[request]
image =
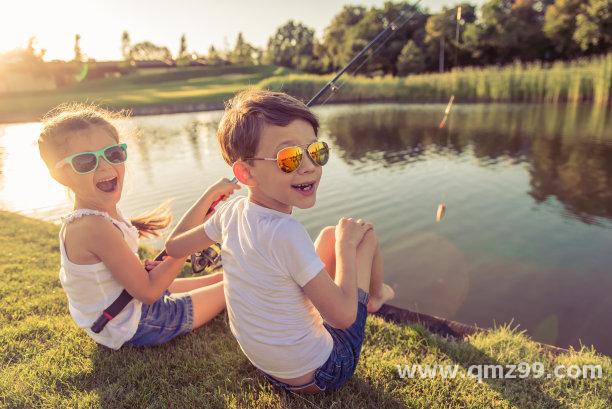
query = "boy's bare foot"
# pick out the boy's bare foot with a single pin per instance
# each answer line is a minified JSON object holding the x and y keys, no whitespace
{"x":377,"y":301}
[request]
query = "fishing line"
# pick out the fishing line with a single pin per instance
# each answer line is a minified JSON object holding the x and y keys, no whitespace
{"x":442,"y":206}
{"x":124,"y":298}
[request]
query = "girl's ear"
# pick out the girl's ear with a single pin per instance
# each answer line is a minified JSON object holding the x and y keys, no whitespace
{"x":59,"y":175}
{"x":242,"y":171}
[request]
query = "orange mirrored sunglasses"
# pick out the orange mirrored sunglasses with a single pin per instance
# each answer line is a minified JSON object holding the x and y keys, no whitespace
{"x":289,"y":159}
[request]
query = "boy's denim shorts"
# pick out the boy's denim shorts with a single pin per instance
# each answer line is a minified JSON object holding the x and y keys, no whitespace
{"x":170,"y":316}
{"x":342,"y":361}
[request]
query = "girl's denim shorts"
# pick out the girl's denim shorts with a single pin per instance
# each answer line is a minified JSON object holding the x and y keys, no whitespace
{"x":170,"y":316}
{"x":342,"y":361}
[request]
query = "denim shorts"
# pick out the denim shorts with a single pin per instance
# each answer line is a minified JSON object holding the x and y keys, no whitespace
{"x":168,"y":317}
{"x":342,"y":361}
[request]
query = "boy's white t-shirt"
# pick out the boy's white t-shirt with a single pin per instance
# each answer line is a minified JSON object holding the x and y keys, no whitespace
{"x":268,"y":257}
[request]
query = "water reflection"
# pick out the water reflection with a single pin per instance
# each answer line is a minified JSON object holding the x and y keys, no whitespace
{"x":526,"y":236}
{"x":566,"y":149}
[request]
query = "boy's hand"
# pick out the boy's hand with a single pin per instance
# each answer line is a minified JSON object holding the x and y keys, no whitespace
{"x":350,"y":232}
{"x":221,"y":190}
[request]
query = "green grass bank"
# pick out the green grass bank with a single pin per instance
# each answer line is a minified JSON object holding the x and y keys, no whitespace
{"x":205,"y":88}
{"x":46,"y":361}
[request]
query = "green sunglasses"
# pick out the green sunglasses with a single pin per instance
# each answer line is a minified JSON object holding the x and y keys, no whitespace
{"x":85,"y":162}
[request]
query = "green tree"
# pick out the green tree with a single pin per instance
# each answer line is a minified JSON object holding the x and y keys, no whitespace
{"x":292,"y":46}
{"x":126,"y":46}
{"x":354,"y":27}
{"x":560,"y":25}
{"x":509,"y":30}
{"x":213,"y":57}
{"x":78,"y":54}
{"x":335,"y":50}
{"x":147,"y":51}
{"x":594,"y":26}
{"x":411,"y":60}
{"x":183,"y":57}
{"x":243,"y":52}
{"x":444,"y":27}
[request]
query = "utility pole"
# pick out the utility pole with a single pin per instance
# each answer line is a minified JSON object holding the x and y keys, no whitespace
{"x":441,"y":58}
{"x":457,"y":33}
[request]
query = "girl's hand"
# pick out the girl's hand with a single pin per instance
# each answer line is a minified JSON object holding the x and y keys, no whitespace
{"x":150,"y":264}
{"x":221,"y":190}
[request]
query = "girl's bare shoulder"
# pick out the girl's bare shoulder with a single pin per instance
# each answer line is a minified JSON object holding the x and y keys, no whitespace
{"x":83,"y":234}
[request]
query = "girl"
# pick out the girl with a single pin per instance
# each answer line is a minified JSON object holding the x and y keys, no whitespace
{"x":98,"y":246}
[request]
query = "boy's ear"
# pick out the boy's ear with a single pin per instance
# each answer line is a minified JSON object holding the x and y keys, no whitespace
{"x":242,"y":171}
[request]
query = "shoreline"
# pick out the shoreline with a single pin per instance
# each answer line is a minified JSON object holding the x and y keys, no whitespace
{"x":182,"y":108}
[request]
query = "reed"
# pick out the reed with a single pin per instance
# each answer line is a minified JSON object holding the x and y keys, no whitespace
{"x":583,"y":80}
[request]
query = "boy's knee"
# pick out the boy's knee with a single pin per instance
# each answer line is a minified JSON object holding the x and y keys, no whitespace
{"x":328,"y":233}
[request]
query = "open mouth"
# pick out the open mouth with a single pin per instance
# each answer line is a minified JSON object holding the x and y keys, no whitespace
{"x":305,"y":188}
{"x":107,"y":185}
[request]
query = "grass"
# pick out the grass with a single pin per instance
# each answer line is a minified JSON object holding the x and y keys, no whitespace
{"x":46,"y":361}
{"x":585,"y":80}
{"x":144,"y":88}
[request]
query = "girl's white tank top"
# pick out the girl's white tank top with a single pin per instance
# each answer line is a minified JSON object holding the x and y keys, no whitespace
{"x":91,"y":287}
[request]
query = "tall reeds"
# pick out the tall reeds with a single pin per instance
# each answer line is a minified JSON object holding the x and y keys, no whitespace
{"x":583,"y":80}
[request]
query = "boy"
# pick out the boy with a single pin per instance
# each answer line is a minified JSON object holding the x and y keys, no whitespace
{"x":297,"y":310}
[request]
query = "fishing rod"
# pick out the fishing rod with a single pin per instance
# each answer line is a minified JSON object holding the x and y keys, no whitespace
{"x":395,"y":25}
{"x":210,"y":256}
{"x":384,"y":35}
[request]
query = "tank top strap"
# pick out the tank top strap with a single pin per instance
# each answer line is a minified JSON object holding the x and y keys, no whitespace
{"x":130,"y":233}
{"x":78,"y":213}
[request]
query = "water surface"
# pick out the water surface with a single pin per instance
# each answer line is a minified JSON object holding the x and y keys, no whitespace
{"x":527,"y":235}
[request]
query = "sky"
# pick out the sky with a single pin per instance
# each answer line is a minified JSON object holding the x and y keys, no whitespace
{"x":100,"y":24}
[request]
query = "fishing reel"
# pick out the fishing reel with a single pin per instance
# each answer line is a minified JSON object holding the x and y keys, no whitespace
{"x":206,"y":260}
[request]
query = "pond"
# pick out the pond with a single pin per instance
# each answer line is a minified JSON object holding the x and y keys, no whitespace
{"x":527,"y":236}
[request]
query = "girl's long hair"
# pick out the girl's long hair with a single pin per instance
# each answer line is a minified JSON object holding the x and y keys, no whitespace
{"x":60,"y":124}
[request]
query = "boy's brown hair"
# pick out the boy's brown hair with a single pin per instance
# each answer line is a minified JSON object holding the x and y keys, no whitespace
{"x":245,"y":115}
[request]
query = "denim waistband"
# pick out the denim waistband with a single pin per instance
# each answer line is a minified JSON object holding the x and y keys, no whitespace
{"x":362,"y":297}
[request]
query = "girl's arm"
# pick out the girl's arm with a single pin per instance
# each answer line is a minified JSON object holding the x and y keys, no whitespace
{"x":189,"y":242}
{"x":188,"y":236}
{"x":106,"y":242}
{"x":196,"y":215}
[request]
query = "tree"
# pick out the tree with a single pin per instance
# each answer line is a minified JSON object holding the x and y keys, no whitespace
{"x":213,"y":56}
{"x":78,"y":55}
{"x":594,"y":26}
{"x":444,"y":27}
{"x":509,"y":30}
{"x":147,"y":51}
{"x":243,"y":52}
{"x":560,"y":25}
{"x":292,"y":46}
{"x":354,"y":27}
{"x":411,"y":60}
{"x":126,"y":46}
{"x":182,"y":58}
{"x":334,"y":51}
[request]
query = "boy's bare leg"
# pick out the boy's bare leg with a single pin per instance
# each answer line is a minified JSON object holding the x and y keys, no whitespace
{"x":380,"y":292}
{"x":325,"y":246}
{"x":208,"y":302}
{"x":369,"y":265}
{"x":183,"y":285}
